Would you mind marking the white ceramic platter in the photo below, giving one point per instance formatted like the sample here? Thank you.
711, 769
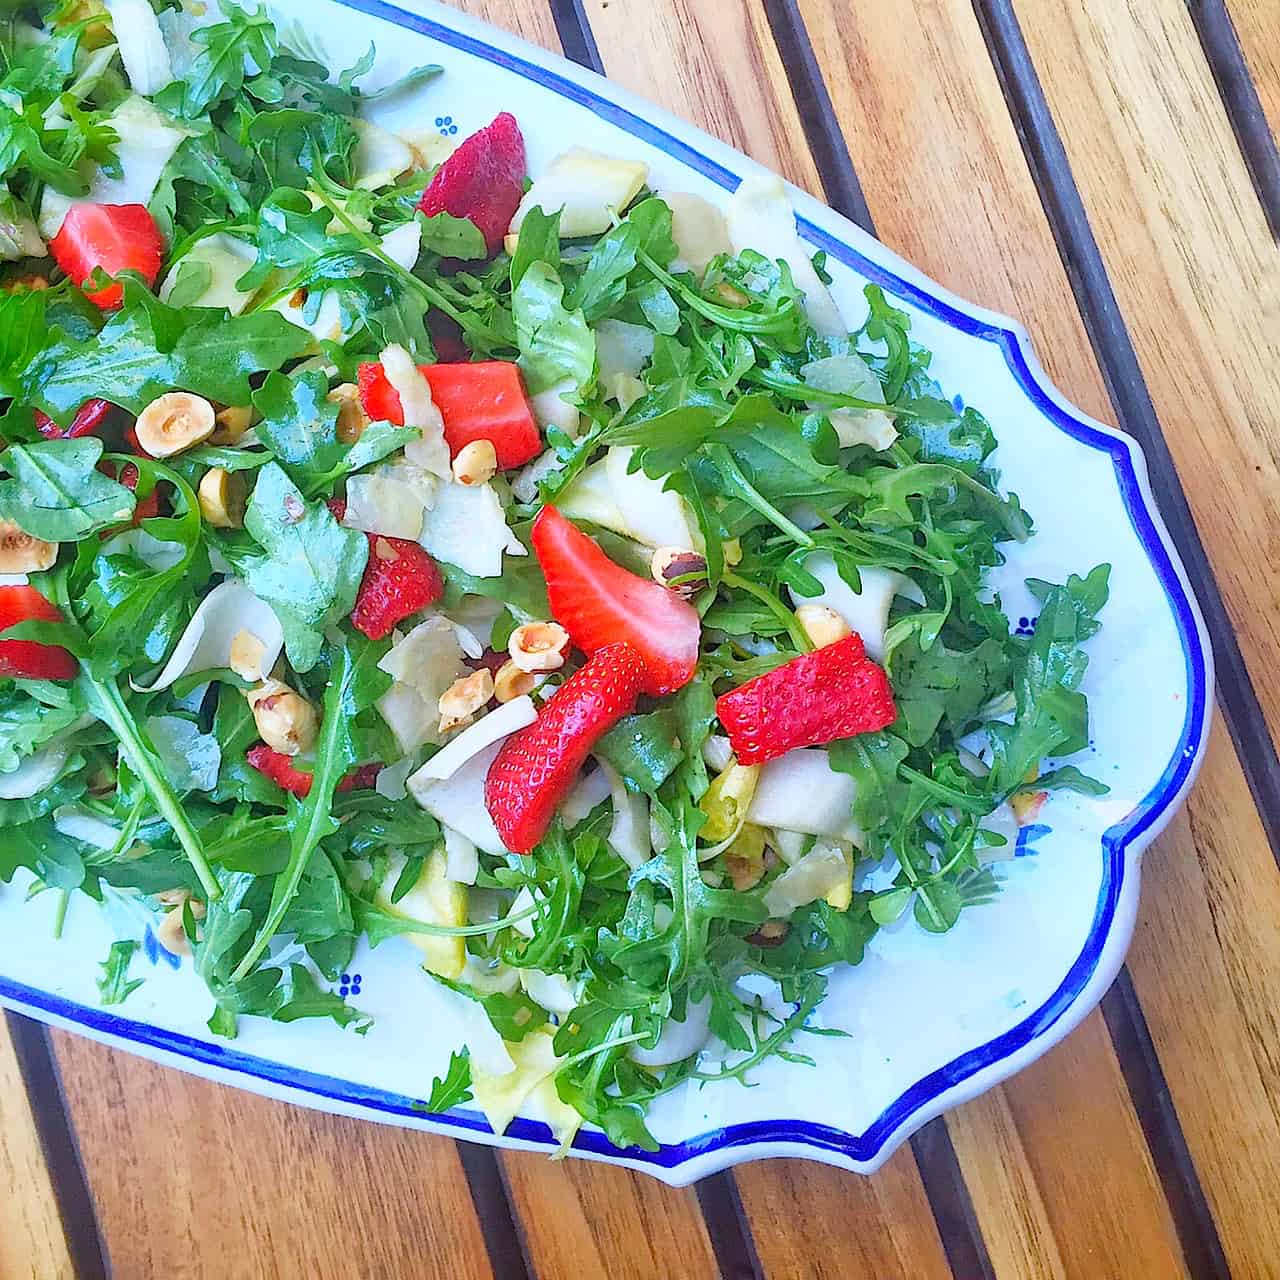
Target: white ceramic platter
932, 1021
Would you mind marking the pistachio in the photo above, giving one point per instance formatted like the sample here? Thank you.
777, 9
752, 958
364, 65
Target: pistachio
21, 553
176, 421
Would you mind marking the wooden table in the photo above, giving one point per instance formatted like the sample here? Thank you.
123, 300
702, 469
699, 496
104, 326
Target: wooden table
1104, 170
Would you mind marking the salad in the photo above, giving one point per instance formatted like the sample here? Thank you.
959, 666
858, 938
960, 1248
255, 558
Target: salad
543, 574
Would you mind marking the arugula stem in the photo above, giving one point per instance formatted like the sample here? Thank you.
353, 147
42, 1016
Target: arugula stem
749, 494
731, 318
60, 914
122, 724
774, 605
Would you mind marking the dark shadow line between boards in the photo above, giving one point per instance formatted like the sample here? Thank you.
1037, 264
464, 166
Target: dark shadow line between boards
1239, 94
1064, 207
59, 1147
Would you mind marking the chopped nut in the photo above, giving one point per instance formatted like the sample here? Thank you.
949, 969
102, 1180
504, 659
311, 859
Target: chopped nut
171, 933
27, 284
464, 697
731, 295
384, 550
744, 858
539, 646
21, 553
769, 934
176, 421
246, 655
286, 721
822, 625
232, 422
222, 498
352, 419
511, 682
672, 564
475, 463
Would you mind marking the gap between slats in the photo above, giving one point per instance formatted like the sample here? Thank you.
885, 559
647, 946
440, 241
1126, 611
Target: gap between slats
61, 1151
1240, 97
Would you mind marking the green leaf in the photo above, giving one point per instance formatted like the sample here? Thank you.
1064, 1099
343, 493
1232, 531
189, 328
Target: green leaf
41, 848
56, 493
871, 760
311, 568
452, 237
539, 241
114, 987
556, 344
643, 749
217, 72
454, 1087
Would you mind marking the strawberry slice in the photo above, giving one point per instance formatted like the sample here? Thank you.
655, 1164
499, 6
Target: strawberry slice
115, 237
538, 765
29, 659
89, 417
484, 400
600, 603
483, 180
297, 782
400, 579
834, 692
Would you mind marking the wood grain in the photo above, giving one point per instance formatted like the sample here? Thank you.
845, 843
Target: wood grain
947, 183
1195, 271
1258, 29
585, 1219
32, 1243
198, 1180
808, 1220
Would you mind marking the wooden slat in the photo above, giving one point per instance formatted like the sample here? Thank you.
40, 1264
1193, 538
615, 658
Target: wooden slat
32, 1243
810, 1221
1195, 271
1257, 26
691, 60
581, 1219
195, 1179
948, 186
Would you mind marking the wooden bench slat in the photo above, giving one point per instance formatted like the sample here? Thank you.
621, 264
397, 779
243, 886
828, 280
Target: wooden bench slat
196, 1179
32, 1243
809, 1220
1255, 22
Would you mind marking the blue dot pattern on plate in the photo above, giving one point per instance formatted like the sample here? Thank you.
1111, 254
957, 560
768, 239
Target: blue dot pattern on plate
1026, 835
1026, 626
349, 985
446, 126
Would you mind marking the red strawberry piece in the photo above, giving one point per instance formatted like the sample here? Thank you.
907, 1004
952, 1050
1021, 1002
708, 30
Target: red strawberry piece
600, 603
400, 579
538, 765
29, 659
297, 782
114, 237
834, 692
89, 417
482, 400
483, 180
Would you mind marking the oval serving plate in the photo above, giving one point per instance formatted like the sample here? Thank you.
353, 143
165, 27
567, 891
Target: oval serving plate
932, 1021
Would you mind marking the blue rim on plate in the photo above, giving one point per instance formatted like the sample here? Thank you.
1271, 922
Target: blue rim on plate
869, 1146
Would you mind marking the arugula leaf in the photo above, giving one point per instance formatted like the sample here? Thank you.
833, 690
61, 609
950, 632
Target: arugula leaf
454, 1087
556, 344
644, 749
218, 70
27, 724
115, 987
311, 568
42, 848
539, 241
56, 493
452, 237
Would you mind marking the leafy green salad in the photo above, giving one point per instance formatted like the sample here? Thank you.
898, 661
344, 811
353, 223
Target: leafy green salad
397, 550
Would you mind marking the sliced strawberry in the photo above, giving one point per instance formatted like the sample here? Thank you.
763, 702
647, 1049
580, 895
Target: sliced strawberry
115, 237
29, 659
600, 603
89, 417
485, 400
539, 764
483, 180
834, 692
400, 579
297, 782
